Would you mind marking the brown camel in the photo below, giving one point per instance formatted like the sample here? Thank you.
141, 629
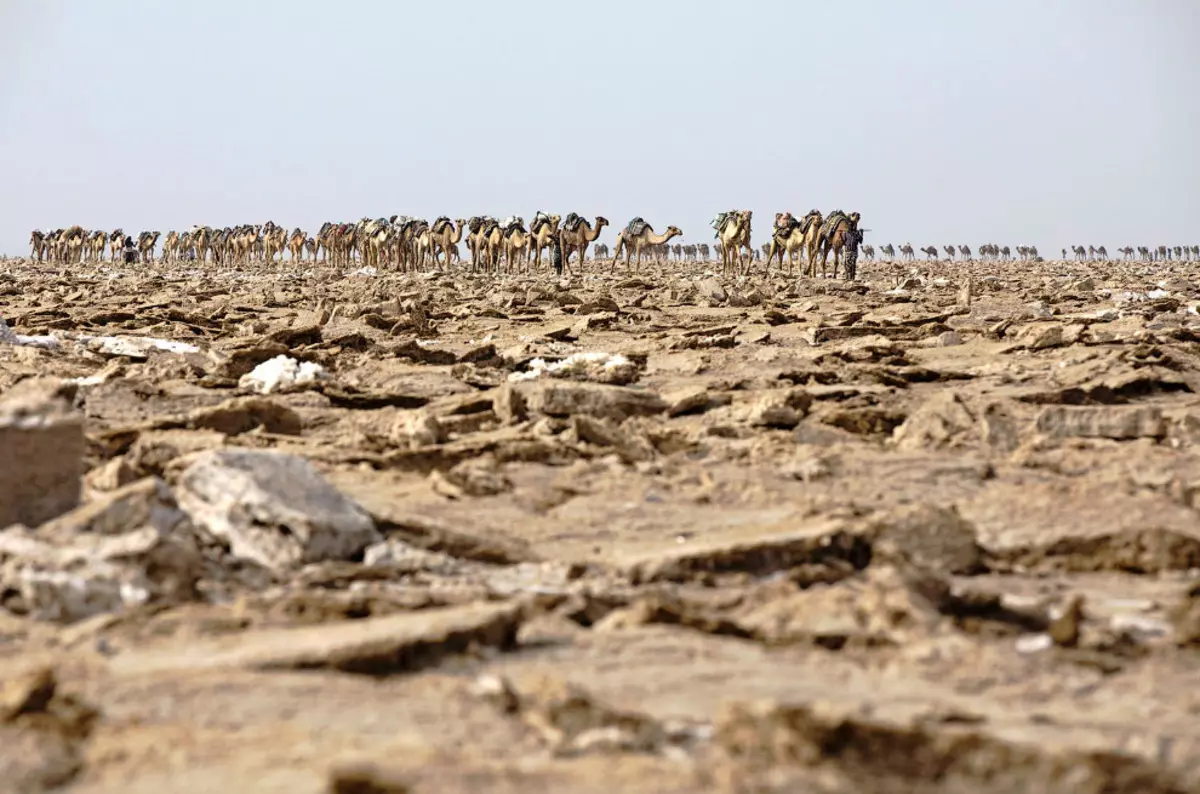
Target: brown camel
839, 232
638, 237
577, 234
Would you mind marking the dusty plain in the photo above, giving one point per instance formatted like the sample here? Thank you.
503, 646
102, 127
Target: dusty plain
934, 530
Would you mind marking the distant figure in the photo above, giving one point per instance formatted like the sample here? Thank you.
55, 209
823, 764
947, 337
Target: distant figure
129, 252
556, 253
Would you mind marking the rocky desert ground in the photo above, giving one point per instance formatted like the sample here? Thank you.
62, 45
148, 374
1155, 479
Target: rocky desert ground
307, 530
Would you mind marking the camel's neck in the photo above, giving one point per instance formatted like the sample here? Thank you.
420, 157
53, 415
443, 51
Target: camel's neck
591, 232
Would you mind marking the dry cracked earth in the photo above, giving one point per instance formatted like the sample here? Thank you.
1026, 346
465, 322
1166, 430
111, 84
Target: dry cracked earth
932, 531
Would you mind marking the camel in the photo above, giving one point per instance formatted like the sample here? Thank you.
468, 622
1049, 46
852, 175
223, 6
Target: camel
376, 241
733, 232
37, 245
636, 238
422, 237
116, 239
170, 248
601, 251
950, 252
445, 235
906, 252
702, 250
202, 241
491, 238
793, 235
516, 247
94, 246
274, 241
965, 252
577, 234
839, 232
72, 243
542, 229
295, 244
145, 245
888, 250
930, 252
476, 228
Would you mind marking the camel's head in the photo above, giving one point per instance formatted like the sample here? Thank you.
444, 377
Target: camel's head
555, 220
601, 221
674, 231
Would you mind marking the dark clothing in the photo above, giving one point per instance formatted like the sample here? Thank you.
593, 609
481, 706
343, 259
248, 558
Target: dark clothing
556, 258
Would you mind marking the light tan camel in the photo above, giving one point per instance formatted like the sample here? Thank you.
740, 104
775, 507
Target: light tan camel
637, 238
491, 246
170, 247
541, 232
445, 235
295, 244
797, 236
516, 248
733, 232
145, 244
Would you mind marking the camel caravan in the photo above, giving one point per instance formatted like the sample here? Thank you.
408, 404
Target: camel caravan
404, 244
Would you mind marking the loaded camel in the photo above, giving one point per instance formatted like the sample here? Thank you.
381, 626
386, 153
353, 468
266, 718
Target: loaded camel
577, 234
733, 231
445, 235
793, 235
638, 237
541, 231
839, 232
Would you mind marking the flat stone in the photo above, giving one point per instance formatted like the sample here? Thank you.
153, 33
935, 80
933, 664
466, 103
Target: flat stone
761, 550
567, 398
373, 646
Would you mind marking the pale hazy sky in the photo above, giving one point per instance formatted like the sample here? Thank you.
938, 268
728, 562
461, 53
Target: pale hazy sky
1044, 122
